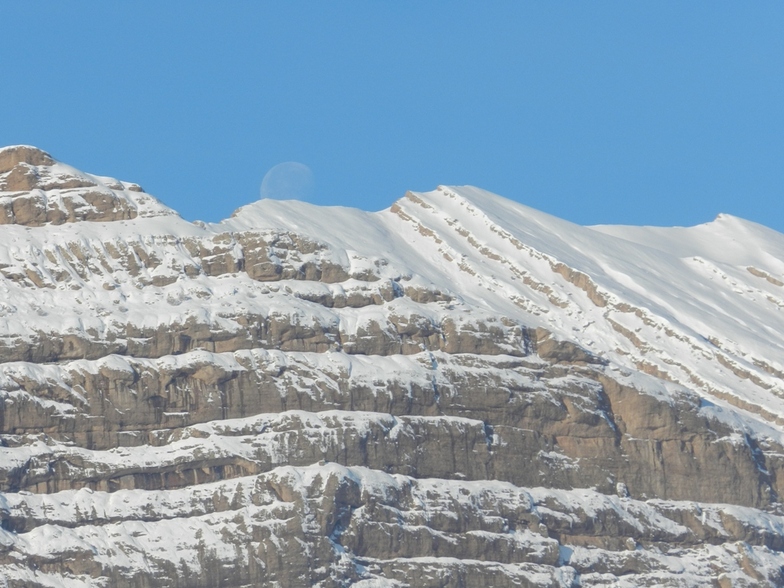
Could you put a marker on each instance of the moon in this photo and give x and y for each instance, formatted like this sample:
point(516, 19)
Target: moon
point(289, 180)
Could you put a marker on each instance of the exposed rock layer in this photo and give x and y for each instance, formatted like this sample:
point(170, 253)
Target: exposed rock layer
point(236, 405)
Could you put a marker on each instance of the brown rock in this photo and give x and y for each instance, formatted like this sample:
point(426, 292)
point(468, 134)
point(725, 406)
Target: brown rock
point(11, 156)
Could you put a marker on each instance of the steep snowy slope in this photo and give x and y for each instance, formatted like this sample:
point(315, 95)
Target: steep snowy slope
point(698, 306)
point(458, 390)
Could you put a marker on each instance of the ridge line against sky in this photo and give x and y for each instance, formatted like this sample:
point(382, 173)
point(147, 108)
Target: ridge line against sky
point(659, 113)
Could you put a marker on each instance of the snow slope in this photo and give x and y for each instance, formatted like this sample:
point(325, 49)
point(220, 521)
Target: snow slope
point(458, 390)
point(700, 306)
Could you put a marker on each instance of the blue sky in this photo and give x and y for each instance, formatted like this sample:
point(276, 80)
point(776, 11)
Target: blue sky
point(662, 113)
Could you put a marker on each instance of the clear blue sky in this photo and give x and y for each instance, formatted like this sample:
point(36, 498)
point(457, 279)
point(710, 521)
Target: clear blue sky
point(599, 112)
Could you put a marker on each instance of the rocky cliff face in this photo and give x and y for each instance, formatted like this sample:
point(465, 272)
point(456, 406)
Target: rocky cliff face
point(457, 391)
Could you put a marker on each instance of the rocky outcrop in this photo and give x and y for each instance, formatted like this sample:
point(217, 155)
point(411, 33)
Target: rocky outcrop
point(290, 404)
point(510, 420)
point(36, 190)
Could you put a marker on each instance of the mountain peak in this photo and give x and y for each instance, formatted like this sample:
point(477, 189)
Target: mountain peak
point(36, 189)
point(578, 399)
point(15, 154)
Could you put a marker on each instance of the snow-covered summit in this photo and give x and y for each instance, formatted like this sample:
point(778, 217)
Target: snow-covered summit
point(691, 304)
point(700, 304)
point(457, 390)
point(35, 189)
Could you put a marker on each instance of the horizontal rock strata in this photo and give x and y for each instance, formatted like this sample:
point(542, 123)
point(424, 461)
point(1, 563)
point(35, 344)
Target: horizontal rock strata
point(440, 395)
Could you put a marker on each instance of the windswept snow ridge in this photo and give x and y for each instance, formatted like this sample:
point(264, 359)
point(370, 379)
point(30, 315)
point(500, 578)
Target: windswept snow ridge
point(456, 391)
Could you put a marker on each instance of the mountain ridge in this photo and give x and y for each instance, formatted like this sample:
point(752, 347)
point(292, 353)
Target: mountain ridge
point(334, 385)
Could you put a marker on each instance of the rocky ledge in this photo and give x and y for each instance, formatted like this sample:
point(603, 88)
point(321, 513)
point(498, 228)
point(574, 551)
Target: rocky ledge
point(458, 391)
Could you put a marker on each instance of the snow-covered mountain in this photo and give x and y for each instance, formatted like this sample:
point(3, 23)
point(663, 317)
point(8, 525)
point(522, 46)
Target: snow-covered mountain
point(456, 391)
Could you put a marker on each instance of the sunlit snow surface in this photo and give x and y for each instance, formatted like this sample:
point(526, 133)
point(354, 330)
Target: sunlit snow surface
point(699, 308)
point(701, 304)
